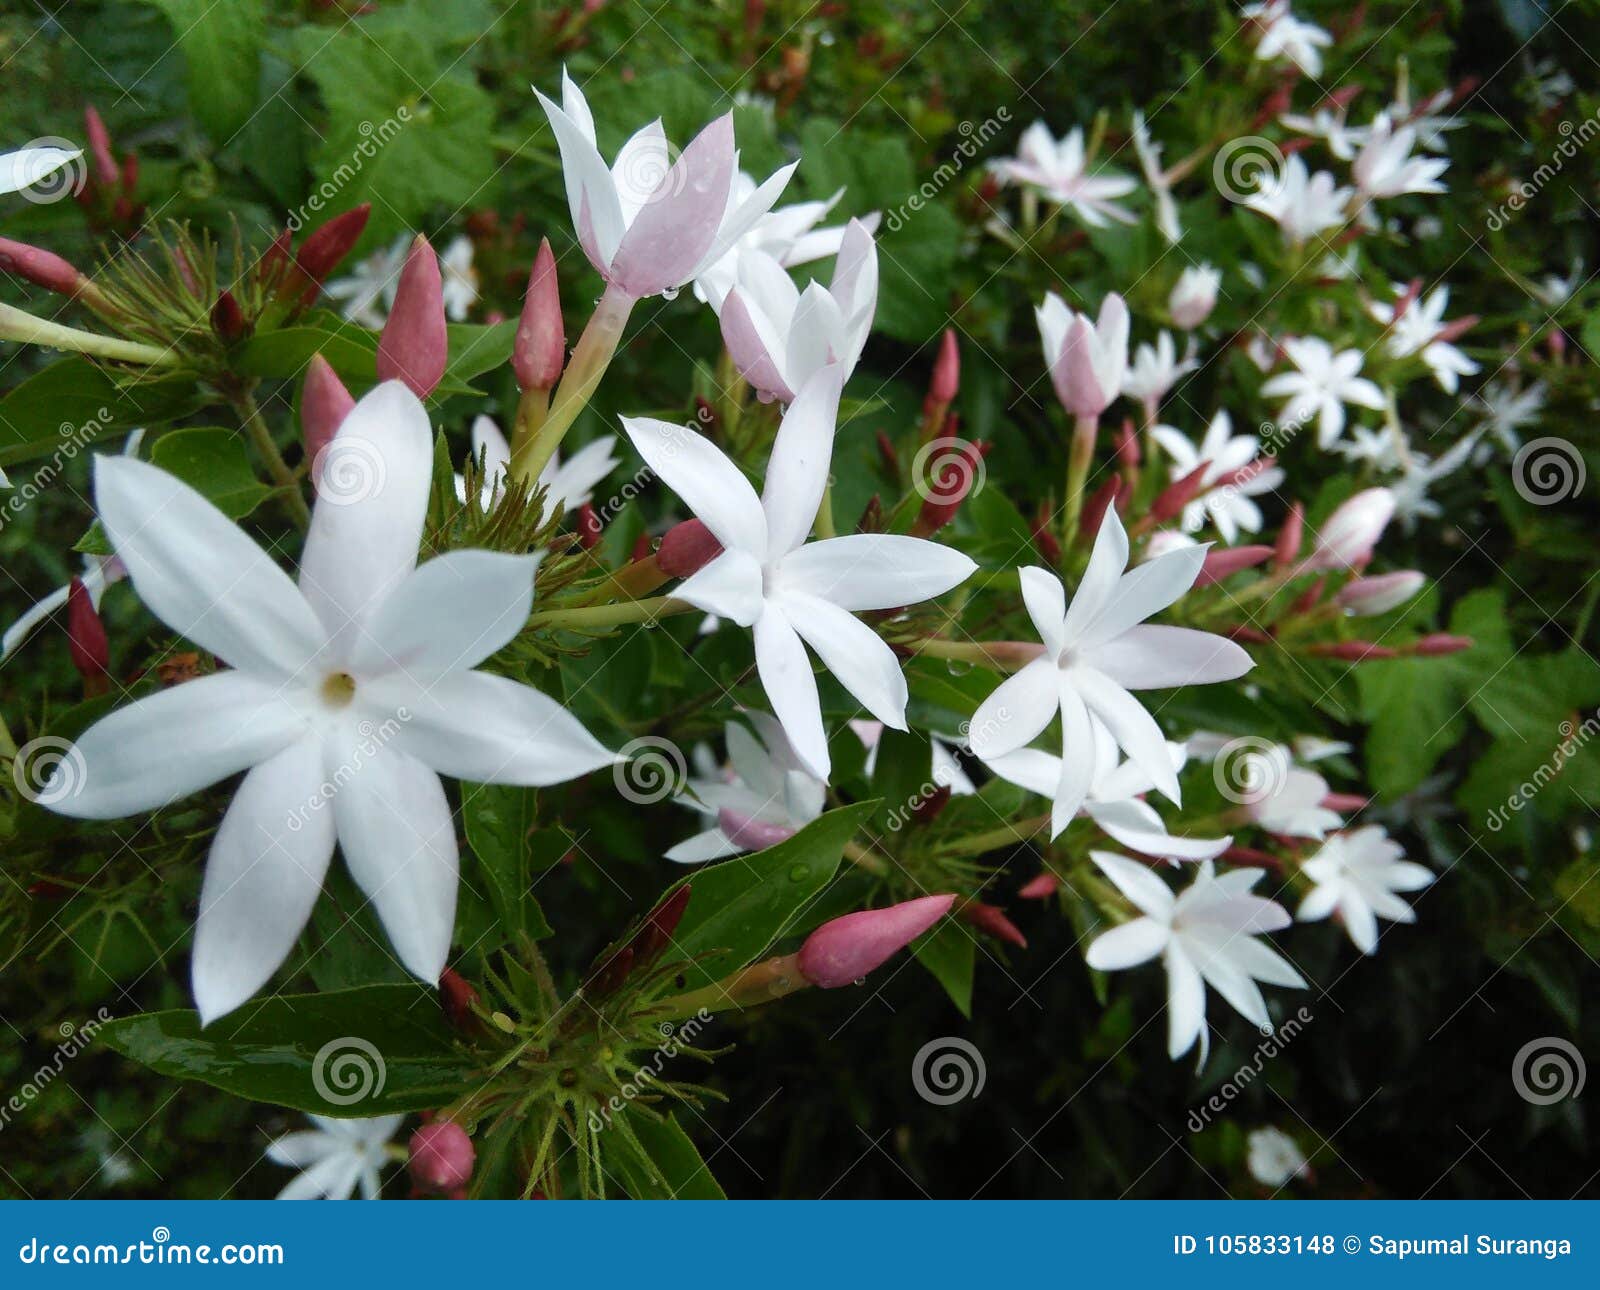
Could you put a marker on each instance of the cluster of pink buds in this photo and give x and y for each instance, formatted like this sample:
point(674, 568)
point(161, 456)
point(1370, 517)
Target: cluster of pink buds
point(109, 193)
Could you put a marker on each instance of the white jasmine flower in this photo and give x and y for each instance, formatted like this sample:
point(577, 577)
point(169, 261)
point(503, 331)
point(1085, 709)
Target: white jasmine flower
point(1194, 295)
point(1385, 167)
point(366, 293)
point(1421, 472)
point(1329, 125)
point(1059, 170)
point(1357, 876)
point(571, 483)
point(1507, 410)
point(1420, 329)
point(1282, 35)
point(1273, 1157)
point(459, 279)
point(336, 1157)
point(1323, 382)
point(1159, 183)
point(765, 795)
point(1224, 452)
point(1300, 203)
point(1155, 370)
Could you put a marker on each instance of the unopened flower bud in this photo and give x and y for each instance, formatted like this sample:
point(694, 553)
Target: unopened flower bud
point(589, 526)
point(687, 548)
point(227, 319)
point(1379, 594)
point(541, 344)
point(458, 998)
point(1194, 296)
point(749, 833)
point(324, 404)
point(1344, 803)
point(105, 161)
point(441, 1156)
point(992, 919)
point(946, 380)
point(1227, 560)
point(1044, 538)
point(40, 267)
point(1094, 511)
point(846, 949)
point(86, 639)
point(1179, 493)
point(656, 932)
point(1287, 548)
point(327, 244)
point(415, 346)
point(1347, 539)
point(1442, 643)
point(1040, 888)
point(955, 469)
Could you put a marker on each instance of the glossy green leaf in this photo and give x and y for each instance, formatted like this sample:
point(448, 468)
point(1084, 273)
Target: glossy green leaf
point(216, 464)
point(655, 1160)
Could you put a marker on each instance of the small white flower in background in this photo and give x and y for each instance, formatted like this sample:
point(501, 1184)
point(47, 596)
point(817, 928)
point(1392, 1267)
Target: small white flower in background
point(788, 235)
point(764, 795)
point(1314, 748)
point(1095, 652)
point(1555, 290)
point(1164, 542)
point(779, 336)
point(1059, 171)
point(1282, 35)
point(335, 1158)
point(1385, 167)
point(1205, 935)
point(1419, 474)
point(1329, 125)
point(946, 770)
point(1156, 369)
point(571, 482)
point(1230, 508)
point(1428, 118)
point(459, 278)
point(1278, 795)
point(1357, 876)
point(1378, 448)
point(29, 166)
point(366, 293)
point(1273, 1157)
point(361, 676)
point(1507, 410)
point(1194, 295)
point(1159, 183)
point(648, 223)
point(1300, 203)
point(1421, 329)
point(1321, 384)
point(1087, 358)
point(1114, 801)
point(789, 590)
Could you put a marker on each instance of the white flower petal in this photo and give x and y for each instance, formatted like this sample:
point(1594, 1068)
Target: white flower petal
point(1134, 729)
point(729, 586)
point(703, 476)
point(797, 472)
point(1127, 946)
point(854, 653)
point(713, 844)
point(1106, 562)
point(862, 571)
point(1186, 1004)
point(1145, 590)
point(1136, 881)
point(791, 688)
point(1017, 712)
point(1153, 657)
point(1046, 601)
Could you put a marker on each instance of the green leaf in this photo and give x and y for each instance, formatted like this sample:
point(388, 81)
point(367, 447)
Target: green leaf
point(362, 1052)
point(743, 905)
point(656, 1160)
point(221, 42)
point(500, 821)
point(72, 404)
point(282, 355)
point(950, 953)
point(214, 463)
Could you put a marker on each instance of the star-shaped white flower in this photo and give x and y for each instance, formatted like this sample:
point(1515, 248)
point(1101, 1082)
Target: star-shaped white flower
point(1507, 410)
point(29, 166)
point(1421, 329)
point(366, 293)
point(1273, 1157)
point(1329, 125)
point(1321, 384)
point(1224, 452)
point(1385, 167)
point(769, 578)
point(1282, 35)
point(1357, 875)
point(1095, 652)
point(335, 1158)
point(570, 482)
point(1156, 369)
point(1300, 203)
point(1205, 935)
point(1059, 170)
point(346, 697)
point(764, 796)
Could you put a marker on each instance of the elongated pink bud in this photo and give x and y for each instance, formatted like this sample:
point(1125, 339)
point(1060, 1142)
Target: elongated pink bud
point(87, 643)
point(1290, 536)
point(992, 919)
point(541, 345)
point(1179, 493)
point(106, 173)
point(946, 381)
point(324, 404)
point(687, 548)
point(442, 1156)
point(327, 244)
point(1227, 560)
point(414, 346)
point(1040, 888)
point(1344, 803)
point(40, 267)
point(1442, 643)
point(1379, 594)
point(750, 833)
point(1347, 539)
point(846, 949)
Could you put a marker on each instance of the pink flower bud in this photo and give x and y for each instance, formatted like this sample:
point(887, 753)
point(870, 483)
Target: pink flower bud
point(105, 162)
point(589, 527)
point(1227, 560)
point(329, 243)
point(458, 997)
point(40, 267)
point(946, 380)
point(541, 345)
point(846, 949)
point(1040, 888)
point(1076, 381)
point(750, 833)
point(87, 643)
point(954, 469)
point(1344, 803)
point(1347, 539)
point(1290, 536)
point(441, 1156)
point(687, 548)
point(1194, 296)
point(1179, 493)
point(1377, 595)
point(1442, 643)
point(227, 319)
point(415, 346)
point(324, 404)
point(992, 919)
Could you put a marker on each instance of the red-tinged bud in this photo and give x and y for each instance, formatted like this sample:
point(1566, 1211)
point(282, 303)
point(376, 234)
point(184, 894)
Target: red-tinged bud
point(588, 527)
point(642, 548)
point(1175, 496)
point(227, 319)
point(1350, 533)
point(992, 919)
point(459, 1000)
point(185, 268)
point(1252, 857)
point(1227, 560)
point(40, 267)
point(1309, 598)
point(749, 833)
point(953, 470)
point(1290, 536)
point(1407, 298)
point(687, 548)
point(327, 244)
point(946, 381)
point(1094, 511)
point(44, 889)
point(887, 454)
point(105, 162)
point(928, 807)
point(86, 639)
point(275, 260)
point(989, 189)
point(441, 1156)
point(1456, 329)
point(1127, 445)
point(656, 932)
point(130, 173)
point(846, 949)
point(415, 346)
point(324, 404)
point(1355, 651)
point(1441, 643)
point(1380, 593)
point(871, 520)
point(1041, 888)
point(1044, 538)
point(1345, 803)
point(1247, 635)
point(607, 979)
point(541, 344)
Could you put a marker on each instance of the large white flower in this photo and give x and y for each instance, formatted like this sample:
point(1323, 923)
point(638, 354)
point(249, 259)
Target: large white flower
point(1205, 935)
point(1385, 167)
point(1357, 875)
point(346, 698)
point(1321, 384)
point(570, 482)
point(1300, 203)
point(335, 1158)
point(1421, 329)
point(1224, 452)
point(790, 591)
point(1059, 170)
point(29, 166)
point(1095, 652)
point(764, 796)
point(648, 223)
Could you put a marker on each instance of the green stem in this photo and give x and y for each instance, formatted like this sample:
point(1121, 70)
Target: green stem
point(630, 611)
point(255, 426)
point(24, 327)
point(978, 844)
point(1003, 656)
point(1079, 456)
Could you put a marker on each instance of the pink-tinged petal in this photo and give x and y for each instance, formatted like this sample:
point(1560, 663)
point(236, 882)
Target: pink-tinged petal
point(399, 844)
point(1135, 881)
point(166, 746)
point(708, 482)
point(1152, 657)
point(1046, 602)
point(1106, 562)
point(854, 653)
point(367, 523)
point(1017, 712)
point(797, 472)
point(1186, 1005)
point(844, 950)
point(743, 217)
point(816, 335)
point(415, 346)
point(1134, 729)
point(486, 729)
point(791, 688)
point(1077, 761)
point(264, 874)
point(753, 348)
point(1143, 591)
point(1127, 946)
point(729, 586)
point(641, 168)
point(591, 193)
point(447, 615)
point(677, 227)
point(749, 832)
point(200, 574)
point(1136, 825)
point(863, 571)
